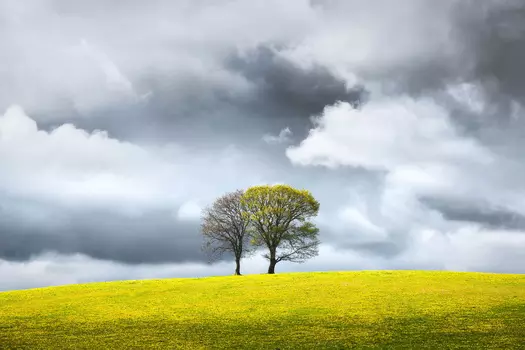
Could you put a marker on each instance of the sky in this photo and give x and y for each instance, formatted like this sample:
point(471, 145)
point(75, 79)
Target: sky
point(120, 121)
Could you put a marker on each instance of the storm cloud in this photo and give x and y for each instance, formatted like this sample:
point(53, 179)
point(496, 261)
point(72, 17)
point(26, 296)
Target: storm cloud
point(120, 121)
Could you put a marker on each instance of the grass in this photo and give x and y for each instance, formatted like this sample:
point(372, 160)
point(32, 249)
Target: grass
point(332, 310)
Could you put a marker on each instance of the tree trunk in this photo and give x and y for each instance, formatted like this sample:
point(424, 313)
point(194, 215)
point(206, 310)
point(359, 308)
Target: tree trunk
point(238, 266)
point(271, 268)
point(273, 262)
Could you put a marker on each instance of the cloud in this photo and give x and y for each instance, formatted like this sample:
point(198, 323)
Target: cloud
point(283, 137)
point(423, 156)
point(135, 116)
point(69, 55)
point(349, 39)
point(189, 211)
point(115, 79)
point(482, 213)
point(385, 134)
point(287, 87)
point(70, 191)
point(70, 165)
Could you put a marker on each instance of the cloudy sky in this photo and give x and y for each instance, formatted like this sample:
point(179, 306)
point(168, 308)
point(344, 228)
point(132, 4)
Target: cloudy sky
point(120, 120)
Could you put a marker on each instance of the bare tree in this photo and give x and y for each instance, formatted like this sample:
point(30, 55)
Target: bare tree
point(224, 227)
point(279, 217)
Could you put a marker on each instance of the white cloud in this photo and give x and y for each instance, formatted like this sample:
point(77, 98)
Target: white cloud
point(189, 210)
point(385, 134)
point(56, 54)
point(414, 142)
point(470, 95)
point(59, 53)
point(349, 38)
point(63, 56)
point(423, 155)
point(82, 169)
point(352, 217)
point(283, 137)
point(114, 77)
point(74, 166)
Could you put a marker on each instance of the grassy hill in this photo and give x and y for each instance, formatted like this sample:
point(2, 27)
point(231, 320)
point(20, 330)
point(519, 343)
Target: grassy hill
point(372, 309)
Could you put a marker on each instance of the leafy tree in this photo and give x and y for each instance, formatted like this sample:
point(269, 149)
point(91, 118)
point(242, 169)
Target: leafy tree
point(279, 217)
point(224, 228)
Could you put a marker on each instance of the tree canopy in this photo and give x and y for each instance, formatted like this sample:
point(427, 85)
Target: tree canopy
point(279, 221)
point(224, 227)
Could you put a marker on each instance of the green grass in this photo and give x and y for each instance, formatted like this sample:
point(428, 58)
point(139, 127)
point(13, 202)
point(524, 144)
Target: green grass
point(372, 309)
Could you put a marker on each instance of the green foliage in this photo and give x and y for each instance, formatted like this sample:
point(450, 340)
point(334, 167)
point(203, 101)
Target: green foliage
point(372, 309)
point(267, 202)
point(279, 215)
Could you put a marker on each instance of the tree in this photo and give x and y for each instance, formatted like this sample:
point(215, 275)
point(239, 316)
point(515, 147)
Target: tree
point(224, 227)
point(279, 217)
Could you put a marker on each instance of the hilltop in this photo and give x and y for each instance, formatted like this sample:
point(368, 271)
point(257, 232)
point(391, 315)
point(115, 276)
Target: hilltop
point(374, 309)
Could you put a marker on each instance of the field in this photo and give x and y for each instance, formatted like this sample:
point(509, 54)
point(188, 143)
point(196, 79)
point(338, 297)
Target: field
point(332, 310)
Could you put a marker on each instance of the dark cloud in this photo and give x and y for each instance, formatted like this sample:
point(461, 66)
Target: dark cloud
point(153, 237)
point(494, 34)
point(289, 90)
point(205, 76)
point(478, 213)
point(191, 109)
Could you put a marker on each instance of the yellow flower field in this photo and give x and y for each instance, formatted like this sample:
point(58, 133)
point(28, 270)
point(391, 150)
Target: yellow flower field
point(329, 310)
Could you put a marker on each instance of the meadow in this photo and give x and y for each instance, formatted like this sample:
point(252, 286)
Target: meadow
point(327, 310)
